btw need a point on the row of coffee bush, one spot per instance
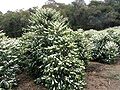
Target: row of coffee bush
(104, 46)
(46, 52)
(49, 54)
(8, 62)
(53, 54)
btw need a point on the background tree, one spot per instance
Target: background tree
(1, 19)
(112, 1)
(13, 22)
(97, 15)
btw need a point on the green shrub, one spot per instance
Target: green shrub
(83, 45)
(49, 54)
(53, 54)
(110, 52)
(63, 73)
(114, 35)
(104, 45)
(8, 62)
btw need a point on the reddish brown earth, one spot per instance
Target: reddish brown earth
(99, 77)
(103, 77)
(27, 83)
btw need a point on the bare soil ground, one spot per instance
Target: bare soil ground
(103, 77)
(27, 83)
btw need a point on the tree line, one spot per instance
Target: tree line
(12, 22)
(96, 15)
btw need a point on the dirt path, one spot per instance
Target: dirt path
(103, 77)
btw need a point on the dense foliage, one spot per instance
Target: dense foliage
(104, 45)
(96, 15)
(8, 62)
(83, 44)
(51, 56)
(12, 23)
